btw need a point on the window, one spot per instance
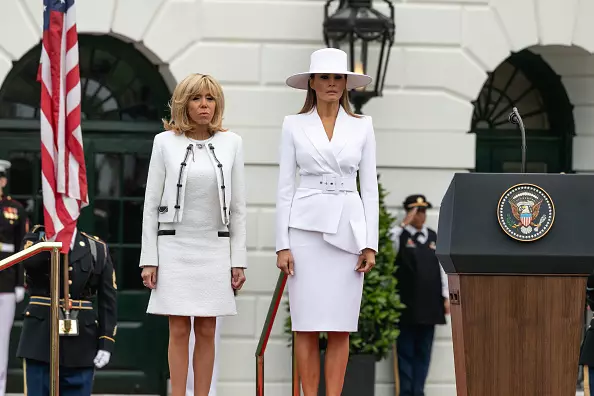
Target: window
(525, 81)
(117, 84)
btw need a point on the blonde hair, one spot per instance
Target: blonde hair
(191, 86)
(311, 100)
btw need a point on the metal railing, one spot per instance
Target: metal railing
(31, 251)
(265, 336)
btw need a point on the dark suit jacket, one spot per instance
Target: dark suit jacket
(91, 280)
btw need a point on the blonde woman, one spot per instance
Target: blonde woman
(194, 226)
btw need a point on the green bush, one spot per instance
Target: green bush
(380, 306)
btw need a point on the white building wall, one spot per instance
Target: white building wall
(438, 64)
(576, 68)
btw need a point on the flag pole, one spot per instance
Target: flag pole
(55, 323)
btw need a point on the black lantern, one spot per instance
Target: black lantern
(366, 35)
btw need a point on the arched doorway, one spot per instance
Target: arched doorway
(124, 98)
(525, 81)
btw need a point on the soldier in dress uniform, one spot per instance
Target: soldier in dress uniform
(587, 349)
(90, 276)
(424, 291)
(13, 224)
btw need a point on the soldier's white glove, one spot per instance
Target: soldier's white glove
(102, 359)
(19, 293)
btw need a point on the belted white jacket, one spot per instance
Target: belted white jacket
(327, 199)
(165, 190)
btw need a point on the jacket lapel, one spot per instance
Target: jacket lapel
(341, 131)
(314, 130)
(80, 248)
(212, 153)
(181, 155)
(183, 144)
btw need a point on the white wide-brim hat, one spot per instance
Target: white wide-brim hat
(329, 61)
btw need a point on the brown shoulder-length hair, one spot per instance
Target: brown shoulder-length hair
(311, 100)
(191, 86)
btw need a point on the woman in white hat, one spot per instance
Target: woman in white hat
(326, 231)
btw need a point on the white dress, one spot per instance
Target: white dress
(325, 292)
(194, 273)
(324, 221)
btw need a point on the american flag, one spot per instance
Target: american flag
(63, 170)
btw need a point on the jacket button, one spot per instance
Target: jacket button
(69, 268)
(69, 282)
(27, 313)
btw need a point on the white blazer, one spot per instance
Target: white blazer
(165, 190)
(327, 199)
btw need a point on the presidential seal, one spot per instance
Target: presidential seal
(526, 212)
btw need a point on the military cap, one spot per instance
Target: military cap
(416, 201)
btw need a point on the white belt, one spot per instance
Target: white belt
(6, 247)
(331, 184)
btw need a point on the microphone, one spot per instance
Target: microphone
(514, 118)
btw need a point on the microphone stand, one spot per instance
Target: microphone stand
(514, 118)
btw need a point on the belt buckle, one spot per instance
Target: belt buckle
(330, 186)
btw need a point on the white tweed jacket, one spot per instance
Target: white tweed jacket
(165, 190)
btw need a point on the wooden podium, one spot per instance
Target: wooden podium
(517, 301)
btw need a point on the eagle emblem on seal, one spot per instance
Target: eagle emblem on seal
(526, 212)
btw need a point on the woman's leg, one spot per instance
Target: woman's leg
(204, 353)
(337, 357)
(179, 335)
(307, 351)
(215, 369)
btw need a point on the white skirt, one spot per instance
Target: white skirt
(194, 275)
(325, 292)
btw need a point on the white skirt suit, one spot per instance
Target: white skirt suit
(323, 220)
(194, 223)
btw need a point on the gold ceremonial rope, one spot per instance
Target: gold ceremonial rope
(586, 381)
(54, 247)
(395, 366)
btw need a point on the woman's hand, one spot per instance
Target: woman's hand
(284, 261)
(237, 278)
(366, 261)
(149, 277)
